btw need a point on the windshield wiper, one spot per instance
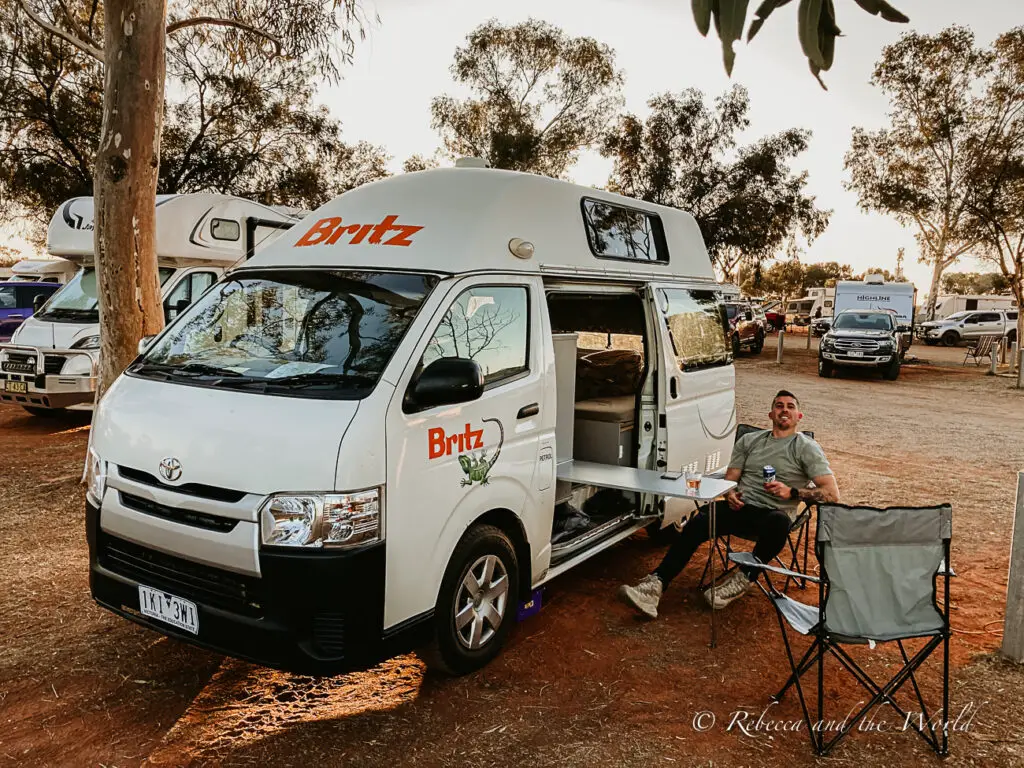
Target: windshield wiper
(204, 369)
(313, 379)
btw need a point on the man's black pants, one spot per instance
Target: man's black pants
(768, 528)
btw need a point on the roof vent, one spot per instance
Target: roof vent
(472, 162)
(874, 279)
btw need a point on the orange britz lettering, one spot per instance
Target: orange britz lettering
(331, 231)
(441, 444)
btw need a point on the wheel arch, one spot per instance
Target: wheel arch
(508, 521)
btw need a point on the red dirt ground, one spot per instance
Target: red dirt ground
(582, 683)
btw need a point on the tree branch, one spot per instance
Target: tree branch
(93, 51)
(214, 21)
(82, 34)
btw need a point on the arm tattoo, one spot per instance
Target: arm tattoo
(815, 495)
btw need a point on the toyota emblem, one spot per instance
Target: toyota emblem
(170, 469)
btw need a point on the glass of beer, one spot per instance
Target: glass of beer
(692, 483)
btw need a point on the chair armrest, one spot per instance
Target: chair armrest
(945, 570)
(747, 559)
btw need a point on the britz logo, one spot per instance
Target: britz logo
(441, 444)
(330, 230)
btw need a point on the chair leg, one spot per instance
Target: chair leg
(805, 664)
(815, 734)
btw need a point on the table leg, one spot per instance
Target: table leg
(711, 533)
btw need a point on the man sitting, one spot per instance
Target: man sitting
(757, 511)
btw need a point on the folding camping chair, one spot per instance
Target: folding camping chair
(797, 544)
(980, 350)
(880, 571)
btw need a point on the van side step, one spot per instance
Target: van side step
(566, 549)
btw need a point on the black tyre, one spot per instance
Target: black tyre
(477, 603)
(892, 371)
(759, 343)
(1011, 337)
(950, 338)
(43, 413)
(825, 368)
(735, 345)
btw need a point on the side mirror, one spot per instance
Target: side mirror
(145, 342)
(748, 315)
(38, 301)
(824, 325)
(904, 328)
(446, 381)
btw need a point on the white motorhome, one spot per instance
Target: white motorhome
(51, 361)
(356, 444)
(953, 303)
(43, 271)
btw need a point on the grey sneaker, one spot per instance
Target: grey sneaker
(734, 586)
(644, 596)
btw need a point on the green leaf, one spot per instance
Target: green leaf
(730, 18)
(827, 33)
(761, 15)
(876, 7)
(816, 71)
(809, 19)
(702, 15)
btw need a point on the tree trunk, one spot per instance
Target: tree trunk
(933, 292)
(125, 178)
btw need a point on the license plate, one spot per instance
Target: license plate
(856, 353)
(168, 608)
(19, 387)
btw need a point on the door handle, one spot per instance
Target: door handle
(528, 410)
(673, 388)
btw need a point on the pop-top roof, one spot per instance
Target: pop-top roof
(190, 228)
(460, 220)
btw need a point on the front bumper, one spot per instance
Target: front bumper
(872, 361)
(39, 383)
(314, 613)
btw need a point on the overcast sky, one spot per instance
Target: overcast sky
(385, 97)
(405, 62)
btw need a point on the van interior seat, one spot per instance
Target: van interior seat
(618, 409)
(607, 373)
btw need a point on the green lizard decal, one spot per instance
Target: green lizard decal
(476, 466)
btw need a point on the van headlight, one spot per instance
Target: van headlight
(95, 477)
(322, 519)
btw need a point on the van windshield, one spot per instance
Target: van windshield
(300, 333)
(77, 301)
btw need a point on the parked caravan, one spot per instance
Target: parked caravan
(58, 271)
(953, 303)
(51, 361)
(898, 298)
(367, 434)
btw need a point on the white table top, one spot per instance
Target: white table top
(640, 480)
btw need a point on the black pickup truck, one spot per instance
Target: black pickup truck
(862, 338)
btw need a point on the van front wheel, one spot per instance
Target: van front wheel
(477, 602)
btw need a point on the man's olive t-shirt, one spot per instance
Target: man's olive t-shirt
(797, 460)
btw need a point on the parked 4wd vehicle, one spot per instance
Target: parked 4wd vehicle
(862, 339)
(969, 326)
(747, 326)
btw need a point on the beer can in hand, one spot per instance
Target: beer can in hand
(769, 473)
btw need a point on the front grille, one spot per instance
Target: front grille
(52, 364)
(183, 578)
(183, 516)
(329, 634)
(854, 344)
(19, 363)
(189, 489)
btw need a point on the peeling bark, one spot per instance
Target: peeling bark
(125, 180)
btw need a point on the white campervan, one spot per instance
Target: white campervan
(51, 360)
(357, 443)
